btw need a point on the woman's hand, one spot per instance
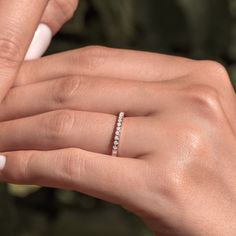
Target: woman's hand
(176, 167)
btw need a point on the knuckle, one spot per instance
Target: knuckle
(206, 100)
(195, 162)
(216, 67)
(73, 4)
(172, 184)
(91, 57)
(58, 124)
(23, 163)
(194, 139)
(73, 165)
(94, 50)
(64, 89)
(216, 71)
(26, 170)
(193, 154)
(67, 8)
(9, 52)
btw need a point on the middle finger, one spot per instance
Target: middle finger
(135, 98)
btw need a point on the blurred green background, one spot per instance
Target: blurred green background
(200, 29)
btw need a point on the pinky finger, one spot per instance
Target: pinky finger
(101, 176)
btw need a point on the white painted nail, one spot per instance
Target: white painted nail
(2, 162)
(40, 42)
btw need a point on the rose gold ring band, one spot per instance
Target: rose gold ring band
(118, 128)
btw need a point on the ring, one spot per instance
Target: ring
(117, 134)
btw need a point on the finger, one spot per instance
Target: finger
(56, 14)
(67, 128)
(105, 62)
(84, 94)
(97, 175)
(18, 22)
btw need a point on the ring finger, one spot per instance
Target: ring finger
(67, 128)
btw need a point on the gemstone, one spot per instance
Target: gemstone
(116, 142)
(117, 133)
(116, 137)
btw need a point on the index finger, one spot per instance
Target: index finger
(18, 22)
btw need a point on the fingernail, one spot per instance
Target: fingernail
(2, 162)
(40, 42)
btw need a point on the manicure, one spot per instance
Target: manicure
(2, 162)
(40, 42)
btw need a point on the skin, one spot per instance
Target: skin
(58, 12)
(16, 15)
(177, 147)
(25, 15)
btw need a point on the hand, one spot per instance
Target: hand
(176, 167)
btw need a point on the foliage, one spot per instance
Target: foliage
(203, 29)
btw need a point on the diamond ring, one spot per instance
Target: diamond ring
(117, 134)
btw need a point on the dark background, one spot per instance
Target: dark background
(200, 29)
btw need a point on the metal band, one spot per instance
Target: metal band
(118, 128)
